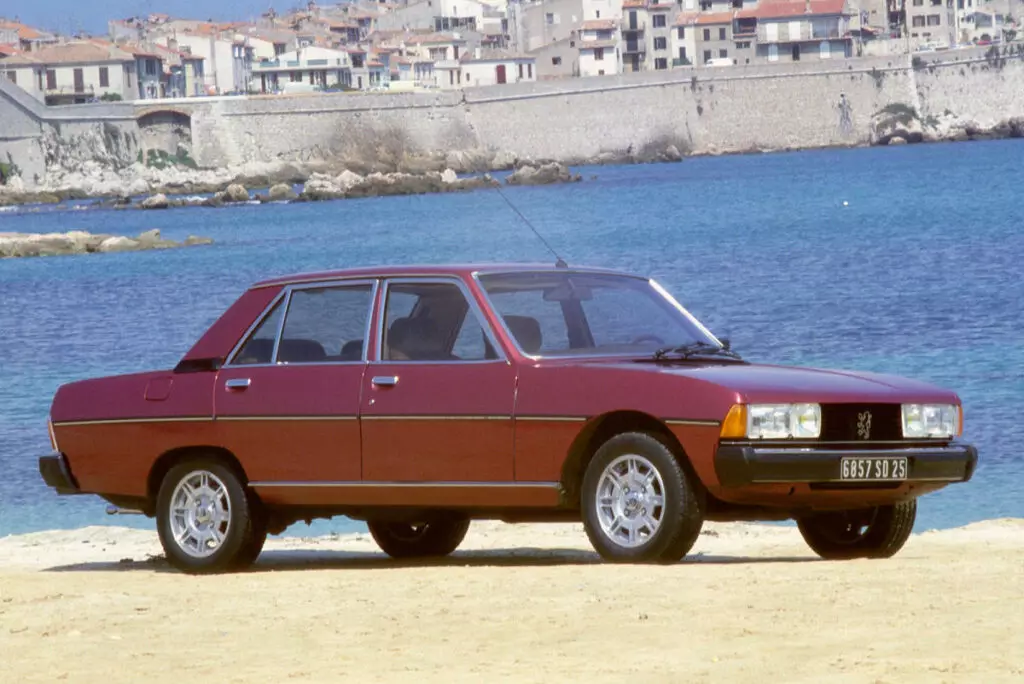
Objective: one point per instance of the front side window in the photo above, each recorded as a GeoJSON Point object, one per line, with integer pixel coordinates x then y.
{"type": "Point", "coordinates": [431, 321]}
{"type": "Point", "coordinates": [562, 314]}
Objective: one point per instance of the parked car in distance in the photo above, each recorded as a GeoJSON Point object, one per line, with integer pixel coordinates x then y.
{"type": "Point", "coordinates": [421, 398]}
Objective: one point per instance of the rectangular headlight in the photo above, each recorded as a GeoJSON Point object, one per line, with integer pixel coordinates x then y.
{"type": "Point", "coordinates": [783, 421]}
{"type": "Point", "coordinates": [930, 420]}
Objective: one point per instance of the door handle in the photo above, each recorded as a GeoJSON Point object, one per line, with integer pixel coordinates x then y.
{"type": "Point", "coordinates": [237, 383]}
{"type": "Point", "coordinates": [385, 380]}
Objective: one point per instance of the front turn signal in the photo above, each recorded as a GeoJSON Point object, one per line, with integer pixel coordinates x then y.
{"type": "Point", "coordinates": [735, 423]}
{"type": "Point", "coordinates": [960, 421]}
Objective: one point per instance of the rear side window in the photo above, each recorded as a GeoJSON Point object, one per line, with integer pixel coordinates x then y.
{"type": "Point", "coordinates": [259, 348]}
{"type": "Point", "coordinates": [325, 324]}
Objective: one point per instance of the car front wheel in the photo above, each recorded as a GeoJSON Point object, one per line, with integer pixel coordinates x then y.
{"type": "Point", "coordinates": [206, 519]}
{"type": "Point", "coordinates": [639, 503]}
{"type": "Point", "coordinates": [869, 533]}
{"type": "Point", "coordinates": [434, 538]}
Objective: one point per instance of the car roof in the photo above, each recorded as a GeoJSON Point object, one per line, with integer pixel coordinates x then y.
{"type": "Point", "coordinates": [459, 270]}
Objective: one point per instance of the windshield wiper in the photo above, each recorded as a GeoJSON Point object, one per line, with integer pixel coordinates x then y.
{"type": "Point", "coordinates": [685, 351]}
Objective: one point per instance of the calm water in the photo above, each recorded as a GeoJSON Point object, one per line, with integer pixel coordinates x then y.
{"type": "Point", "coordinates": [921, 274]}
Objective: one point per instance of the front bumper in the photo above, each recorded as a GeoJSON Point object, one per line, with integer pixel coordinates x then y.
{"type": "Point", "coordinates": [57, 473]}
{"type": "Point", "coordinates": [738, 465]}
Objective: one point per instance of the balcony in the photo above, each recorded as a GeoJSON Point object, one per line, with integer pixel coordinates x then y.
{"type": "Point", "coordinates": [680, 61]}
{"type": "Point", "coordinates": [635, 26]}
{"type": "Point", "coordinates": [806, 33]}
{"type": "Point", "coordinates": [633, 47]}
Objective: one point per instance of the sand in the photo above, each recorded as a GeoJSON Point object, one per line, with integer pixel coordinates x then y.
{"type": "Point", "coordinates": [517, 603]}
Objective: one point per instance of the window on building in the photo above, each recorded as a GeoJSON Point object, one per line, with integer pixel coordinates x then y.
{"type": "Point", "coordinates": [529, 71]}
{"type": "Point", "coordinates": [934, 19]}
{"type": "Point", "coordinates": [773, 52]}
{"type": "Point", "coordinates": [707, 56]}
{"type": "Point", "coordinates": [600, 72]}
{"type": "Point", "coordinates": [745, 45]}
{"type": "Point", "coordinates": [737, 4]}
{"type": "Point", "coordinates": [936, 3]}
{"type": "Point", "coordinates": [556, 60]}
{"type": "Point", "coordinates": [549, 18]}
{"type": "Point", "coordinates": [918, 3]}
{"type": "Point", "coordinates": [721, 34]}
{"type": "Point", "coordinates": [682, 54]}
{"type": "Point", "coordinates": [104, 78]}
{"type": "Point", "coordinates": [705, 5]}
{"type": "Point", "coordinates": [597, 14]}
{"type": "Point", "coordinates": [917, 21]}
{"type": "Point", "coordinates": [707, 34]}
{"type": "Point", "coordinates": [660, 43]}
{"type": "Point", "coordinates": [825, 50]}
{"type": "Point", "coordinates": [150, 67]}
{"type": "Point", "coordinates": [598, 54]}
{"type": "Point", "coordinates": [658, 21]}
{"type": "Point", "coordinates": [723, 53]}
{"type": "Point", "coordinates": [660, 63]}
{"type": "Point", "coordinates": [520, 72]}
{"type": "Point", "coordinates": [681, 33]}
{"type": "Point", "coordinates": [12, 76]}
{"type": "Point", "coordinates": [51, 79]}
{"type": "Point", "coordinates": [39, 79]}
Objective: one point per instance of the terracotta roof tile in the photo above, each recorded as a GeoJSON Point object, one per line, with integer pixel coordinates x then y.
{"type": "Point", "coordinates": [792, 8]}
{"type": "Point", "coordinates": [81, 52]}
{"type": "Point", "coordinates": [715, 18]}
{"type": "Point", "coordinates": [598, 25]}
{"type": "Point", "coordinates": [594, 44]}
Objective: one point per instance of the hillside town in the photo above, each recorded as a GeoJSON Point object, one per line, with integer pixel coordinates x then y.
{"type": "Point", "coordinates": [417, 45]}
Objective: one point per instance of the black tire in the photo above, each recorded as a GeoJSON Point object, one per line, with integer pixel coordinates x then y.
{"type": "Point", "coordinates": [434, 538]}
{"type": "Point", "coordinates": [878, 532]}
{"type": "Point", "coordinates": [242, 536]}
{"type": "Point", "coordinates": [681, 516]}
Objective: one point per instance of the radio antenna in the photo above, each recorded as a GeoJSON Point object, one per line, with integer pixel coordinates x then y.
{"type": "Point", "coordinates": [559, 261]}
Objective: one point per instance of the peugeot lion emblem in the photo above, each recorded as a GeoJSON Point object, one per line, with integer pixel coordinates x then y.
{"type": "Point", "coordinates": [864, 425]}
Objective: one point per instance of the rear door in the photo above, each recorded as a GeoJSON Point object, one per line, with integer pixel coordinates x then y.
{"type": "Point", "coordinates": [287, 402]}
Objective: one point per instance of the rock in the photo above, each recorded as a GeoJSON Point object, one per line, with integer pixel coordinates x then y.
{"type": "Point", "coordinates": [119, 244]}
{"type": "Point", "coordinates": [347, 180]}
{"type": "Point", "coordinates": [503, 161]}
{"type": "Point", "coordinates": [896, 120]}
{"type": "Point", "coordinates": [449, 176]}
{"type": "Point", "coordinates": [281, 193]}
{"type": "Point", "coordinates": [542, 175]}
{"type": "Point", "coordinates": [236, 193]}
{"type": "Point", "coordinates": [158, 201]}
{"type": "Point", "coordinates": [79, 242]}
{"type": "Point", "coordinates": [897, 140]}
{"type": "Point", "coordinates": [673, 154]}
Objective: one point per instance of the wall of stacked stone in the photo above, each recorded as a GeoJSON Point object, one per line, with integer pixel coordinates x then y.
{"type": "Point", "coordinates": [704, 110]}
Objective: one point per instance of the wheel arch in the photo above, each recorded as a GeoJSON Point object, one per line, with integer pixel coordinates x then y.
{"type": "Point", "coordinates": [600, 429]}
{"type": "Point", "coordinates": [168, 459]}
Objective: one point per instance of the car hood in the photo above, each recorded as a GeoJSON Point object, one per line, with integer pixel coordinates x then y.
{"type": "Point", "coordinates": [771, 383]}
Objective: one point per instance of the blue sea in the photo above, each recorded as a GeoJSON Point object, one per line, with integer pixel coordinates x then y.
{"type": "Point", "coordinates": [905, 260]}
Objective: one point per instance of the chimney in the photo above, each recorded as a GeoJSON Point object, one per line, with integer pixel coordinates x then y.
{"type": "Point", "coordinates": [172, 43]}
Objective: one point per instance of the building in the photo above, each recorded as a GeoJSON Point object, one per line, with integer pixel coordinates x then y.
{"type": "Point", "coordinates": [793, 30]}
{"type": "Point", "coordinates": [646, 35]}
{"type": "Point", "coordinates": [497, 67]}
{"type": "Point", "coordinates": [598, 46]}
{"type": "Point", "coordinates": [307, 68]}
{"type": "Point", "coordinates": [74, 72]}
{"type": "Point", "coordinates": [931, 22]}
{"type": "Point", "coordinates": [24, 38]}
{"type": "Point", "coordinates": [438, 16]}
{"type": "Point", "coordinates": [227, 54]}
{"type": "Point", "coordinates": [183, 72]}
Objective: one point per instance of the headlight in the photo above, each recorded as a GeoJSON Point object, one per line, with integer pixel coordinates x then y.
{"type": "Point", "coordinates": [930, 420]}
{"type": "Point", "coordinates": [782, 421]}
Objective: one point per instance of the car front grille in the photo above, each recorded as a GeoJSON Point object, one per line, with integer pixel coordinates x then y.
{"type": "Point", "coordinates": [861, 422]}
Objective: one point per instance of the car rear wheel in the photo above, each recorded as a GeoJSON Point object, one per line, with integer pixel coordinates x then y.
{"type": "Point", "coordinates": [206, 518]}
{"type": "Point", "coordinates": [639, 503]}
{"type": "Point", "coordinates": [433, 538]}
{"type": "Point", "coordinates": [877, 532]}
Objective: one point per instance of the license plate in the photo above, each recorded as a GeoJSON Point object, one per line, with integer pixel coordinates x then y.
{"type": "Point", "coordinates": [873, 469]}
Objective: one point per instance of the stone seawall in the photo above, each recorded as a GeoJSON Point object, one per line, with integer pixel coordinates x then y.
{"type": "Point", "coordinates": [700, 110]}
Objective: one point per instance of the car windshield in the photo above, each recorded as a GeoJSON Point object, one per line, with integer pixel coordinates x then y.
{"type": "Point", "coordinates": [563, 314]}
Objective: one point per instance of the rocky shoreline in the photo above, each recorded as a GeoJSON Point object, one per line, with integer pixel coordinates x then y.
{"type": "Point", "coordinates": [80, 242]}
{"type": "Point", "coordinates": [408, 172]}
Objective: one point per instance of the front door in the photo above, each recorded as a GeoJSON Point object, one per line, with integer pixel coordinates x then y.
{"type": "Point", "coordinates": [500, 73]}
{"type": "Point", "coordinates": [438, 395]}
{"type": "Point", "coordinates": [287, 403]}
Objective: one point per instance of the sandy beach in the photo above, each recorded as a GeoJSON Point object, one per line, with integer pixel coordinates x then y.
{"type": "Point", "coordinates": [517, 603]}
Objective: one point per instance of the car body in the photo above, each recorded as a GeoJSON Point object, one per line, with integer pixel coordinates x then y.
{"type": "Point", "coordinates": [419, 398]}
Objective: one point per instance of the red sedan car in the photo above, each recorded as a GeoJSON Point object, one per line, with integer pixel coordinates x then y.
{"type": "Point", "coordinates": [419, 398]}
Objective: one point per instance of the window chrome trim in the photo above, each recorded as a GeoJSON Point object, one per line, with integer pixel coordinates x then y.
{"type": "Point", "coordinates": [285, 294]}
{"type": "Point", "coordinates": [471, 301]}
{"type": "Point", "coordinates": [592, 355]}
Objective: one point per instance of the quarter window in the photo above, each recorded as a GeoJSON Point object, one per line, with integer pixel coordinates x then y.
{"type": "Point", "coordinates": [430, 321]}
{"type": "Point", "coordinates": [259, 348]}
